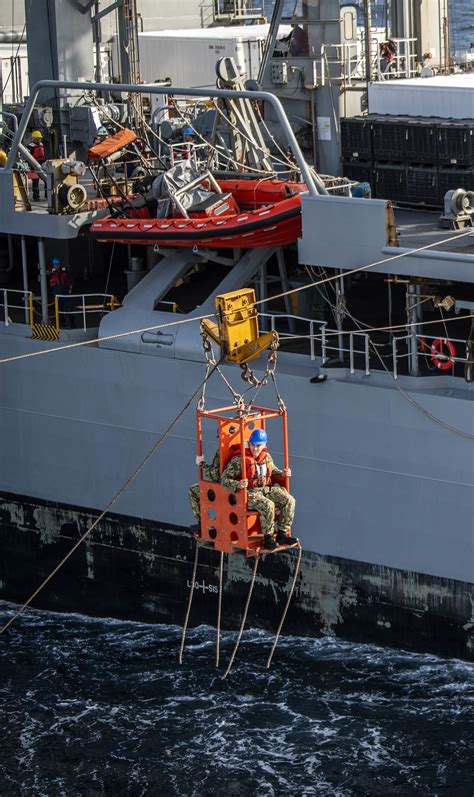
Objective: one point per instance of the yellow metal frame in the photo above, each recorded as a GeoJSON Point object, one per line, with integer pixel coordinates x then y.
{"type": "Point", "coordinates": [237, 328]}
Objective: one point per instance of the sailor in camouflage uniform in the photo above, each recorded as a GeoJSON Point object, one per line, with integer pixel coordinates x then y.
{"type": "Point", "coordinates": [263, 496]}
{"type": "Point", "coordinates": [211, 472]}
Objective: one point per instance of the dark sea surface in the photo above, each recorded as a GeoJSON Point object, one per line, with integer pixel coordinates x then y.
{"type": "Point", "coordinates": [93, 707]}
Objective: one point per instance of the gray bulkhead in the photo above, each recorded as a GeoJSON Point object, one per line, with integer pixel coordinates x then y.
{"type": "Point", "coordinates": [375, 480]}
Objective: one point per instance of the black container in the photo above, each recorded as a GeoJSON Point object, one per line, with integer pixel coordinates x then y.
{"type": "Point", "coordinates": [456, 143]}
{"type": "Point", "coordinates": [356, 138]}
{"type": "Point", "coordinates": [422, 186]}
{"type": "Point", "coordinates": [389, 138]}
{"type": "Point", "coordinates": [422, 140]}
{"type": "Point", "coordinates": [450, 179]}
{"type": "Point", "coordinates": [360, 171]}
{"type": "Point", "coordinates": [390, 181]}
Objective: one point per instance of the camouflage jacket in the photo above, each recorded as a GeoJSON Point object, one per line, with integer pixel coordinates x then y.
{"type": "Point", "coordinates": [233, 470]}
{"type": "Point", "coordinates": [212, 471]}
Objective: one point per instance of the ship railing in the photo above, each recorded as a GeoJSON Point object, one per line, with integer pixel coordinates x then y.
{"type": "Point", "coordinates": [403, 65]}
{"type": "Point", "coordinates": [323, 339]}
{"type": "Point", "coordinates": [345, 59]}
{"type": "Point", "coordinates": [423, 350]}
{"type": "Point", "coordinates": [84, 305]}
{"type": "Point", "coordinates": [186, 150]}
{"type": "Point", "coordinates": [23, 300]}
{"type": "Point", "coordinates": [345, 62]}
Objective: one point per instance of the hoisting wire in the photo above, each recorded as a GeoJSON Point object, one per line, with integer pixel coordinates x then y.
{"type": "Point", "coordinates": [244, 617]}
{"type": "Point", "coordinates": [117, 495]}
{"type": "Point", "coordinates": [255, 304]}
{"type": "Point", "coordinates": [290, 595]}
{"type": "Point", "coordinates": [357, 270]}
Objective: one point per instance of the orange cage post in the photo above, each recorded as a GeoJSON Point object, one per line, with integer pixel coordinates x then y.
{"type": "Point", "coordinates": [226, 523]}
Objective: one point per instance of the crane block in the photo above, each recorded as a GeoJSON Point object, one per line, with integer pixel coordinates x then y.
{"type": "Point", "coordinates": [238, 326]}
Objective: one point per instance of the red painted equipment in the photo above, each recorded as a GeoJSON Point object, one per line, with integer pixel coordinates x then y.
{"type": "Point", "coordinates": [226, 523]}
{"type": "Point", "coordinates": [266, 213]}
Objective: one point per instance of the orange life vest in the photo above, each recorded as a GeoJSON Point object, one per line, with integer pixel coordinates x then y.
{"type": "Point", "coordinates": [256, 479]}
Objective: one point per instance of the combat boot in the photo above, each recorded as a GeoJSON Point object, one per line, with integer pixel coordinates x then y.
{"type": "Point", "coordinates": [269, 543]}
{"type": "Point", "coordinates": [283, 538]}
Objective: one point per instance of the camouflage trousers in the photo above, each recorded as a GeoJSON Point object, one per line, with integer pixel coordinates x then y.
{"type": "Point", "coordinates": [195, 501]}
{"type": "Point", "coordinates": [265, 500]}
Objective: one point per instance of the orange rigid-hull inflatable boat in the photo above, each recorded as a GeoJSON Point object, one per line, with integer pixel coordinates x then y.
{"type": "Point", "coordinates": [250, 213]}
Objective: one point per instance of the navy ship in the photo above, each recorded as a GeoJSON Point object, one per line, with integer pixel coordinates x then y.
{"type": "Point", "coordinates": [376, 298]}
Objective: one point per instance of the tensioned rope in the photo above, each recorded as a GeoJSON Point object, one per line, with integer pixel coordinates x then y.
{"type": "Point", "coordinates": [117, 495]}
{"type": "Point", "coordinates": [288, 601]}
{"type": "Point", "coordinates": [255, 304]}
{"type": "Point", "coordinates": [244, 617]}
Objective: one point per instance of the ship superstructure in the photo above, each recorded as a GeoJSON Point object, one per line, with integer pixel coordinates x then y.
{"type": "Point", "coordinates": [381, 451]}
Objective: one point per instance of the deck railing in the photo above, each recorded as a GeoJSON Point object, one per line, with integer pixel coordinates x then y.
{"type": "Point", "coordinates": [23, 300]}
{"type": "Point", "coordinates": [323, 339]}
{"type": "Point", "coordinates": [424, 351]}
{"type": "Point", "coordinates": [70, 305]}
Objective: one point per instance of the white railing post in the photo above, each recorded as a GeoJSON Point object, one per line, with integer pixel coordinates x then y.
{"type": "Point", "coordinates": [5, 307]}
{"type": "Point", "coordinates": [323, 343]}
{"type": "Point", "coordinates": [84, 311]}
{"type": "Point", "coordinates": [311, 339]}
{"type": "Point", "coordinates": [351, 352]}
{"type": "Point", "coordinates": [272, 322]}
{"type": "Point", "coordinates": [394, 357]}
{"type": "Point", "coordinates": [367, 355]}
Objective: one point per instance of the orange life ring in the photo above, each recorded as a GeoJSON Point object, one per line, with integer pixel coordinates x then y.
{"type": "Point", "coordinates": [443, 361]}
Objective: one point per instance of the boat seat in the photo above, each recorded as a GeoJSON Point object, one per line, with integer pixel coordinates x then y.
{"type": "Point", "coordinates": [184, 185]}
{"type": "Point", "coordinates": [209, 204]}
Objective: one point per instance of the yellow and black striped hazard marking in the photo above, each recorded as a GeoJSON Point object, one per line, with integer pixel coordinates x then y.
{"type": "Point", "coordinates": [44, 332]}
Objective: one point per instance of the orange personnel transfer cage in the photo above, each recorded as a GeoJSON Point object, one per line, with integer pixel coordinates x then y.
{"type": "Point", "coordinates": [226, 523]}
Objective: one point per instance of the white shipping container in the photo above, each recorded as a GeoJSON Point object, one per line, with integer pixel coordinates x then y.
{"type": "Point", "coordinates": [13, 84]}
{"type": "Point", "coordinates": [450, 97]}
{"type": "Point", "coordinates": [189, 57]}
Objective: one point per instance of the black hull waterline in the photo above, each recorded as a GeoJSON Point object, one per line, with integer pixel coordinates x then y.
{"type": "Point", "coordinates": [138, 570]}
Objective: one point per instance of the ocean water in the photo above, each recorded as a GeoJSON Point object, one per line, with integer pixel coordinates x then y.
{"type": "Point", "coordinates": [100, 707]}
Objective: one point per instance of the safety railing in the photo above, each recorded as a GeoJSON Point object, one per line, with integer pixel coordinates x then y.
{"type": "Point", "coordinates": [323, 339]}
{"type": "Point", "coordinates": [440, 354]}
{"type": "Point", "coordinates": [70, 305]}
{"type": "Point", "coordinates": [403, 65]}
{"type": "Point", "coordinates": [23, 301]}
{"type": "Point", "coordinates": [346, 62]}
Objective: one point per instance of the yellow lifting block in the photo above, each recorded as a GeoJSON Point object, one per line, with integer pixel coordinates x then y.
{"type": "Point", "coordinates": [238, 326]}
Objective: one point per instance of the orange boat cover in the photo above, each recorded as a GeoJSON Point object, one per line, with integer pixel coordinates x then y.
{"type": "Point", "coordinates": [112, 144]}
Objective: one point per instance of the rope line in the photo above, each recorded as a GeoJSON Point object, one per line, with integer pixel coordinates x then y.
{"type": "Point", "coordinates": [219, 608]}
{"type": "Point", "coordinates": [188, 609]}
{"type": "Point", "coordinates": [244, 617]}
{"type": "Point", "coordinates": [117, 495]}
{"type": "Point", "coordinates": [255, 304]}
{"type": "Point", "coordinates": [290, 595]}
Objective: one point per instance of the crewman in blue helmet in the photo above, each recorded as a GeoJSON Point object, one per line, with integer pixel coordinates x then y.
{"type": "Point", "coordinates": [263, 496]}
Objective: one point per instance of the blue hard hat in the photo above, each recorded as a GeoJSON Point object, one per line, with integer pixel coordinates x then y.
{"type": "Point", "coordinates": [188, 131]}
{"type": "Point", "coordinates": [56, 261]}
{"type": "Point", "coordinates": [258, 437]}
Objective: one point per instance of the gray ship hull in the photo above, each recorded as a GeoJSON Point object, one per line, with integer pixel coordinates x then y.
{"type": "Point", "coordinates": [384, 497]}
{"type": "Point", "coordinates": [137, 570]}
